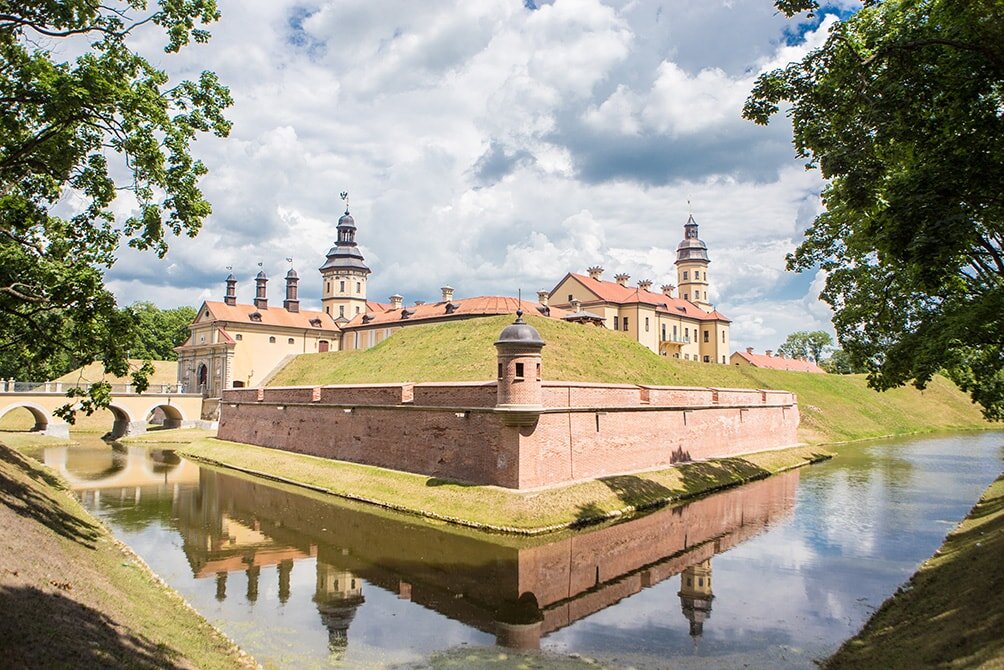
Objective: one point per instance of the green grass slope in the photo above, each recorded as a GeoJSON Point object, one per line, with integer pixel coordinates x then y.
{"type": "Point", "coordinates": [833, 407]}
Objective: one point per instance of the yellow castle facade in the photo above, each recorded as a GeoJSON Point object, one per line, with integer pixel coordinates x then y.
{"type": "Point", "coordinates": [234, 345]}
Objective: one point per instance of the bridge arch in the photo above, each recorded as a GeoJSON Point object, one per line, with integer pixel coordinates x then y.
{"type": "Point", "coordinates": [39, 413]}
{"type": "Point", "coordinates": [173, 416]}
{"type": "Point", "coordinates": [123, 423]}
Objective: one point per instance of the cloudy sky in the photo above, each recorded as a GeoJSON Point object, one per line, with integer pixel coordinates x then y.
{"type": "Point", "coordinates": [496, 144]}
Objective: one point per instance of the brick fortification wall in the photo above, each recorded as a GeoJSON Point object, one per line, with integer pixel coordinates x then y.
{"type": "Point", "coordinates": [452, 430]}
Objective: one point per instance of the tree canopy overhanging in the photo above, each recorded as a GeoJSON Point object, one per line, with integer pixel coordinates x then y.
{"type": "Point", "coordinates": [76, 134]}
{"type": "Point", "coordinates": [902, 111]}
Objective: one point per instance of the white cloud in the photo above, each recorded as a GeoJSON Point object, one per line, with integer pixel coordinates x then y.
{"type": "Point", "coordinates": [492, 147]}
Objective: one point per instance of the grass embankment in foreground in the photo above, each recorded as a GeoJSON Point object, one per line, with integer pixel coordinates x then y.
{"type": "Point", "coordinates": [494, 508]}
{"type": "Point", "coordinates": [72, 596]}
{"type": "Point", "coordinates": [951, 613]}
{"type": "Point", "coordinates": [834, 408]}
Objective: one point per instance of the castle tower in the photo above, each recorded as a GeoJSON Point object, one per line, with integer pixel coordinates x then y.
{"type": "Point", "coordinates": [692, 267]}
{"type": "Point", "coordinates": [343, 275]}
{"type": "Point", "coordinates": [519, 372]}
{"type": "Point", "coordinates": [696, 596]}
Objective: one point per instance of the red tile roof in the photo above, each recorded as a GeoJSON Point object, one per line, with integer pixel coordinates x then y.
{"type": "Point", "coordinates": [372, 306]}
{"type": "Point", "coordinates": [272, 316]}
{"type": "Point", "coordinates": [486, 305]}
{"type": "Point", "coordinates": [779, 363]}
{"type": "Point", "coordinates": [609, 291]}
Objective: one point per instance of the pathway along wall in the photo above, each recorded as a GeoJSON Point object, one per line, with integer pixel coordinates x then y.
{"type": "Point", "coordinates": [454, 431]}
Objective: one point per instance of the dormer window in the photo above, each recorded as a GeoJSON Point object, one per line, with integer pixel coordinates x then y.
{"type": "Point", "coordinates": [316, 323]}
{"type": "Point", "coordinates": [406, 313]}
{"type": "Point", "coordinates": [255, 316]}
{"type": "Point", "coordinates": [451, 307]}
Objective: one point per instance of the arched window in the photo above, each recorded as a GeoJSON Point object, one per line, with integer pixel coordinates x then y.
{"type": "Point", "coordinates": [291, 341]}
{"type": "Point", "coordinates": [271, 340]}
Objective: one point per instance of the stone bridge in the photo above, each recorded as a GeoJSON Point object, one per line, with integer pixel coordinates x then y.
{"type": "Point", "coordinates": [130, 409]}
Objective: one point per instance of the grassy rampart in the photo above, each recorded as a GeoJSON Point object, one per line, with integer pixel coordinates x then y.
{"type": "Point", "coordinates": [834, 408]}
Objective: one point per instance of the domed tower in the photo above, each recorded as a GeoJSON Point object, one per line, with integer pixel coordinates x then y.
{"type": "Point", "coordinates": [696, 596]}
{"type": "Point", "coordinates": [519, 372]}
{"type": "Point", "coordinates": [343, 275]}
{"type": "Point", "coordinates": [692, 267]}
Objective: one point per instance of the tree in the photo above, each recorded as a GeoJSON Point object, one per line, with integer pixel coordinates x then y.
{"type": "Point", "coordinates": [806, 344]}
{"type": "Point", "coordinates": [839, 363]}
{"type": "Point", "coordinates": [75, 135]}
{"type": "Point", "coordinates": [160, 331]}
{"type": "Point", "coordinates": [902, 110]}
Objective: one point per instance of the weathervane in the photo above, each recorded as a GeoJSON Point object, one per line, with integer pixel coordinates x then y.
{"type": "Point", "coordinates": [519, 305]}
{"type": "Point", "coordinates": [290, 261]}
{"type": "Point", "coordinates": [230, 268]}
{"type": "Point", "coordinates": [345, 196]}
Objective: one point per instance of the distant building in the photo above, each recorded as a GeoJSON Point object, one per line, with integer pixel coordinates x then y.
{"type": "Point", "coordinates": [233, 345]}
{"type": "Point", "coordinates": [769, 361]}
{"type": "Point", "coordinates": [685, 326]}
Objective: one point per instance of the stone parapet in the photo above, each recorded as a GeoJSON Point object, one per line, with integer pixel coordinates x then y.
{"type": "Point", "coordinates": [455, 431]}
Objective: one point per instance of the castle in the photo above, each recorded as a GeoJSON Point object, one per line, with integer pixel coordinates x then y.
{"type": "Point", "coordinates": [237, 345]}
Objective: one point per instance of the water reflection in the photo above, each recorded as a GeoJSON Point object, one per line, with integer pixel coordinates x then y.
{"type": "Point", "coordinates": [301, 582]}
{"type": "Point", "coordinates": [517, 591]}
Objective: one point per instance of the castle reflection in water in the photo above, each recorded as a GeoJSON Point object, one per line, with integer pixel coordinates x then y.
{"type": "Point", "coordinates": [517, 589]}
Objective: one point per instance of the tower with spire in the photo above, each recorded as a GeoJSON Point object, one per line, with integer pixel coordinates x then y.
{"type": "Point", "coordinates": [692, 267]}
{"type": "Point", "coordinates": [344, 273]}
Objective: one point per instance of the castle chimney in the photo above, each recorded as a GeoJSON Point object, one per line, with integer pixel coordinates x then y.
{"type": "Point", "coordinates": [749, 350]}
{"type": "Point", "coordinates": [543, 297]}
{"type": "Point", "coordinates": [576, 305]}
{"type": "Point", "coordinates": [447, 293]}
{"type": "Point", "coordinates": [595, 272]}
{"type": "Point", "coordinates": [769, 352]}
{"type": "Point", "coordinates": [622, 279]}
{"type": "Point", "coordinates": [291, 303]}
{"type": "Point", "coordinates": [667, 290]}
{"type": "Point", "coordinates": [396, 301]}
{"type": "Point", "coordinates": [260, 295]}
{"type": "Point", "coordinates": [231, 297]}
{"type": "Point", "coordinates": [645, 284]}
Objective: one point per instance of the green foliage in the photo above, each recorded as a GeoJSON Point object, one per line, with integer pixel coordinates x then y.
{"type": "Point", "coordinates": [839, 363]}
{"type": "Point", "coordinates": [75, 135]}
{"type": "Point", "coordinates": [901, 110]}
{"type": "Point", "coordinates": [160, 331]}
{"type": "Point", "coordinates": [806, 344]}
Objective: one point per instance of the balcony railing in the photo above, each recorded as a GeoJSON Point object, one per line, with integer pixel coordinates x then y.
{"type": "Point", "coordinates": [60, 388]}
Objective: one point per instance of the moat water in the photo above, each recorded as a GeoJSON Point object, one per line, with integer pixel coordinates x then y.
{"type": "Point", "coordinates": [773, 574]}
